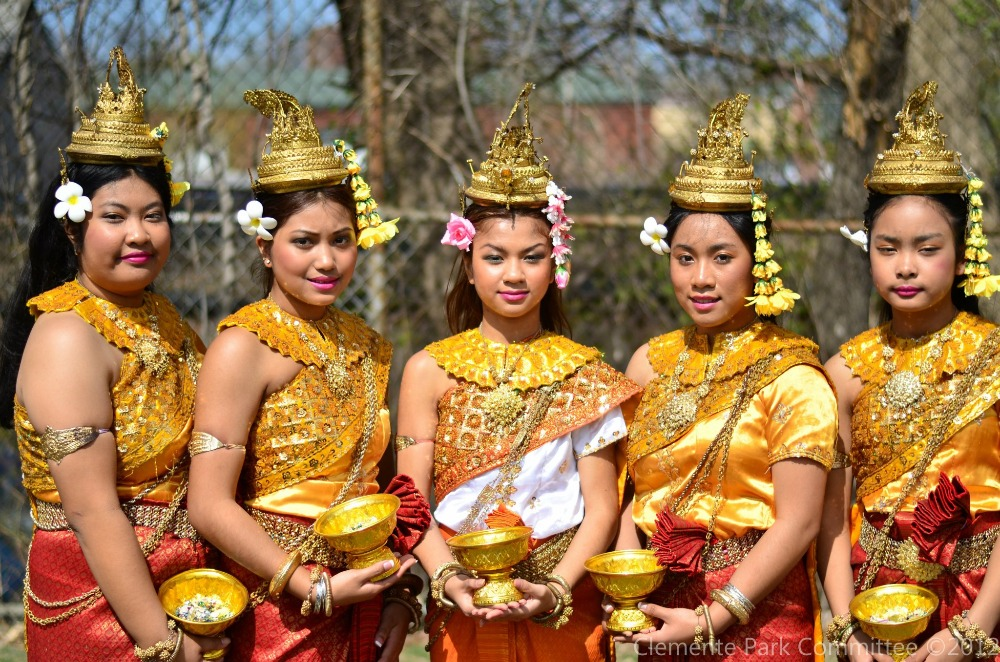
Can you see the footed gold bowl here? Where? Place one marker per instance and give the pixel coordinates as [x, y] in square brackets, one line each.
[492, 554]
[360, 527]
[626, 576]
[894, 613]
[210, 587]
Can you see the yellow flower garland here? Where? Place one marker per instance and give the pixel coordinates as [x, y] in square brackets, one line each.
[978, 281]
[771, 297]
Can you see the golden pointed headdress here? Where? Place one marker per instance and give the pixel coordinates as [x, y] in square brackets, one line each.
[918, 161]
[718, 177]
[512, 172]
[299, 160]
[117, 132]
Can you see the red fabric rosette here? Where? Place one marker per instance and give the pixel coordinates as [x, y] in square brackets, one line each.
[939, 519]
[679, 543]
[413, 516]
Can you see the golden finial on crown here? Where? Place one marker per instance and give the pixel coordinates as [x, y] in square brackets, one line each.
[718, 176]
[918, 161]
[512, 172]
[117, 131]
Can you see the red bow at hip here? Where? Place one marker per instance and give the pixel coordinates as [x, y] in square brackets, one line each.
[413, 516]
[939, 519]
[679, 543]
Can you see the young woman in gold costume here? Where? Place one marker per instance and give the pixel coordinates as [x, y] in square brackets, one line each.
[918, 399]
[510, 422]
[101, 394]
[291, 416]
[735, 431]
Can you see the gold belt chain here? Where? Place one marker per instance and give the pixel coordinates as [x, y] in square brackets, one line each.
[970, 553]
[51, 517]
[290, 535]
[544, 558]
[729, 552]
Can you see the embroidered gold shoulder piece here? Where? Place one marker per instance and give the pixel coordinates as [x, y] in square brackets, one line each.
[693, 383]
[154, 328]
[533, 364]
[864, 353]
[292, 336]
[59, 299]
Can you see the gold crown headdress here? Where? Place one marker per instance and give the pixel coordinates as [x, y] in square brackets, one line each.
[117, 132]
[919, 164]
[512, 172]
[299, 160]
[918, 161]
[719, 179]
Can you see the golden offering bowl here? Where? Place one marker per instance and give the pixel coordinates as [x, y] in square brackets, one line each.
[492, 554]
[210, 583]
[360, 527]
[626, 576]
[895, 614]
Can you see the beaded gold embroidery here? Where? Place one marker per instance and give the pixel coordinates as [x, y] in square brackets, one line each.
[887, 440]
[152, 413]
[304, 428]
[464, 446]
[652, 430]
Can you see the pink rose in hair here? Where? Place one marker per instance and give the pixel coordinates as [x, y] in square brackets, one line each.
[459, 233]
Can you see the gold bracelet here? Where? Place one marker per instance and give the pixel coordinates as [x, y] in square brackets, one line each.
[328, 606]
[567, 596]
[963, 643]
[444, 572]
[410, 601]
[307, 604]
[974, 635]
[285, 572]
[711, 630]
[731, 605]
[835, 628]
[699, 633]
[737, 595]
[164, 650]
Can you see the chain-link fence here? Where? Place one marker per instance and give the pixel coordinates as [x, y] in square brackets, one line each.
[419, 87]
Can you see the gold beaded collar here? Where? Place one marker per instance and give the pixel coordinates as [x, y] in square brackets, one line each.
[543, 361]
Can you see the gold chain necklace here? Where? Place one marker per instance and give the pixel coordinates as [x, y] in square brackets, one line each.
[682, 408]
[148, 348]
[334, 370]
[503, 403]
[905, 388]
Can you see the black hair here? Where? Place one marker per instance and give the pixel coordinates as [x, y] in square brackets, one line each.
[954, 207]
[282, 206]
[463, 306]
[52, 261]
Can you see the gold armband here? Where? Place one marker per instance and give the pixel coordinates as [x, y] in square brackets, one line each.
[203, 442]
[57, 444]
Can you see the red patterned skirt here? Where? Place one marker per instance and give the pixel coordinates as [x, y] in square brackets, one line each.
[59, 572]
[780, 628]
[956, 591]
[277, 630]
